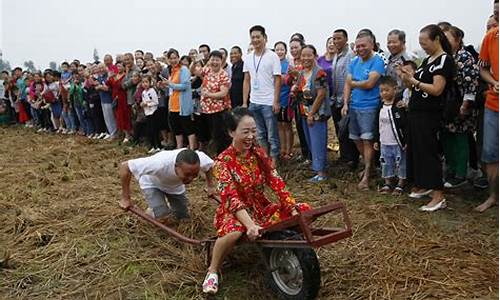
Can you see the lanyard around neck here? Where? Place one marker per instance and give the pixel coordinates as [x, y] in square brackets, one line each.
[258, 64]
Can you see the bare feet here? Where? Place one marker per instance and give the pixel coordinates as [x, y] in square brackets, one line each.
[485, 205]
[125, 204]
[363, 185]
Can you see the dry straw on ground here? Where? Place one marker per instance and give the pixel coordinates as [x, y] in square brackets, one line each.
[62, 235]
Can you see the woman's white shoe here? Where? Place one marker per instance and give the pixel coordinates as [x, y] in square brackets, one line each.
[416, 195]
[211, 283]
[440, 205]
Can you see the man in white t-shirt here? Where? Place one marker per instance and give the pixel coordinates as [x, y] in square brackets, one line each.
[262, 82]
[164, 175]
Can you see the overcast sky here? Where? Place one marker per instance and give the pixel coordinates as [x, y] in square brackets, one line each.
[58, 30]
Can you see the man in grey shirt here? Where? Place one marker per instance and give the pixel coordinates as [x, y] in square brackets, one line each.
[396, 44]
[340, 65]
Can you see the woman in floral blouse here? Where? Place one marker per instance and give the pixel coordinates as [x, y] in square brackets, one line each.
[455, 134]
[311, 91]
[214, 101]
[243, 170]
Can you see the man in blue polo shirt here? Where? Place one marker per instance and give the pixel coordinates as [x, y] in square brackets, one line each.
[362, 98]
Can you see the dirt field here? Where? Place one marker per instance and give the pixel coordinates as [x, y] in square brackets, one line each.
[62, 235]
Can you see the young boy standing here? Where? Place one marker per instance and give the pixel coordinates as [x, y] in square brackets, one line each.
[390, 137]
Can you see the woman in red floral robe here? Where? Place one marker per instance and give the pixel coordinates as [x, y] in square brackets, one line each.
[243, 171]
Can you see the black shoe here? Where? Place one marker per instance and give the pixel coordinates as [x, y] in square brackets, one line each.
[481, 183]
[455, 182]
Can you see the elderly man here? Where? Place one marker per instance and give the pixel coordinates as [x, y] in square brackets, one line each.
[365, 71]
[396, 43]
[108, 62]
[162, 177]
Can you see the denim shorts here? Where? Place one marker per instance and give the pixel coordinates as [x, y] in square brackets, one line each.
[392, 161]
[490, 137]
[362, 124]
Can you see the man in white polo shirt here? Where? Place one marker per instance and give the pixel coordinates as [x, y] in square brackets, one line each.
[163, 177]
[262, 82]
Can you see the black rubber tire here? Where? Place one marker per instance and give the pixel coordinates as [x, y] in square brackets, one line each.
[309, 265]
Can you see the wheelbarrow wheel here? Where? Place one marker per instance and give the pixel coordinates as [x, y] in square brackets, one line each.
[294, 273]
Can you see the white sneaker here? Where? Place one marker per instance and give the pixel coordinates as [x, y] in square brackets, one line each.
[102, 135]
[40, 130]
[152, 150]
[106, 137]
[125, 141]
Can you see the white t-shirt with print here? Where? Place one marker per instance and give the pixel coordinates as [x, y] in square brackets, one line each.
[158, 171]
[262, 70]
[150, 97]
[385, 127]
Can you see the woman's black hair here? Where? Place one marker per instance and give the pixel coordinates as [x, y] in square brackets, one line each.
[215, 53]
[328, 39]
[309, 46]
[281, 43]
[186, 57]
[301, 42]
[457, 33]
[224, 50]
[434, 32]
[299, 36]
[172, 51]
[233, 118]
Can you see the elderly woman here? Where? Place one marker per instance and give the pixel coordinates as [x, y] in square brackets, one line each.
[214, 101]
[242, 172]
[311, 91]
[456, 132]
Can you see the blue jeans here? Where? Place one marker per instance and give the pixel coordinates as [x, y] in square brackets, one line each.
[490, 137]
[85, 122]
[69, 120]
[35, 115]
[267, 128]
[362, 124]
[392, 158]
[316, 137]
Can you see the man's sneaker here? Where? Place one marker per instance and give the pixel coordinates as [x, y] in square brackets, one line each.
[455, 182]
[211, 283]
[481, 183]
[152, 150]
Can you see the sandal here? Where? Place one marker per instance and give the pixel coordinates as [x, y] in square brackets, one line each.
[211, 283]
[385, 189]
[398, 191]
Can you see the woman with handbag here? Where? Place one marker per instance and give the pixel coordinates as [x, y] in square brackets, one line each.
[311, 90]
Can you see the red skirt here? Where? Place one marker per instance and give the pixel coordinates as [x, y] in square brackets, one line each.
[23, 116]
[123, 114]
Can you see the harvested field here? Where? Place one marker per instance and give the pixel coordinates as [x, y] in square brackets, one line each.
[62, 235]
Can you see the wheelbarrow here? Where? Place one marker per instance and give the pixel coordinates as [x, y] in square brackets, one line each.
[293, 269]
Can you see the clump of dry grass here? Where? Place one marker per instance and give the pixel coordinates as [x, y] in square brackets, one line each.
[62, 235]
